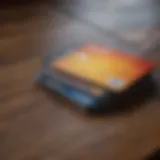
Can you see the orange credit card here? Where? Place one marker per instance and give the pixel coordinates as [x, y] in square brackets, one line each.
[103, 67]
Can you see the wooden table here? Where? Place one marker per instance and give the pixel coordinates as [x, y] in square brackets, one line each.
[36, 125]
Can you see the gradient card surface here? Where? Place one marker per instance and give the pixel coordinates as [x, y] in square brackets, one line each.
[102, 67]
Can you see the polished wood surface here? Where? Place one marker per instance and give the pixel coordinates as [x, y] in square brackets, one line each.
[36, 125]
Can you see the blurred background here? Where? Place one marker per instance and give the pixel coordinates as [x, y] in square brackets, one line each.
[34, 125]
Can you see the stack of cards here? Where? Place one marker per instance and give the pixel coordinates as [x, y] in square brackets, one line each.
[94, 77]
